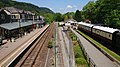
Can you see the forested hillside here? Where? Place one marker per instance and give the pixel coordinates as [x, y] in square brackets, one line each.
[106, 12]
[25, 6]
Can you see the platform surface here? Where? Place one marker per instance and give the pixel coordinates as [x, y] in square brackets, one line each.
[10, 48]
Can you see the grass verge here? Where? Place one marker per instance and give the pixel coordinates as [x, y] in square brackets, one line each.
[114, 55]
[79, 56]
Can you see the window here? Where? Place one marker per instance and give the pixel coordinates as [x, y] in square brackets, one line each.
[109, 35]
[2, 16]
[13, 16]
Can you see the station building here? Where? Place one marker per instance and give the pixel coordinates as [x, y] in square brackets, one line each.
[15, 23]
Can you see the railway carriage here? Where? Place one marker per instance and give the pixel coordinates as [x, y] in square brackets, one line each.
[109, 35]
[116, 39]
[61, 23]
[85, 26]
[104, 33]
[74, 25]
[67, 24]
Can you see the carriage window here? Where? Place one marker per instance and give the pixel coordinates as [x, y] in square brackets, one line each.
[109, 35]
[13, 16]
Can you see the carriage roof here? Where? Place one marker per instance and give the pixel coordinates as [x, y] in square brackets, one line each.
[85, 24]
[107, 29]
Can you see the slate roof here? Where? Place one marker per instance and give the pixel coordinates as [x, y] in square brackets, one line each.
[13, 10]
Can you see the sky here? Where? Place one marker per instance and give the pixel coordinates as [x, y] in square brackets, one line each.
[62, 6]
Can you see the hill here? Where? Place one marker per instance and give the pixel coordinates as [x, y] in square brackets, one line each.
[25, 6]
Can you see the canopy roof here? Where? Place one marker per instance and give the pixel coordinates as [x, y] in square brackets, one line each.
[15, 25]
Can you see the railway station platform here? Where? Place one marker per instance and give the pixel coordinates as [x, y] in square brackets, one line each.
[97, 57]
[10, 50]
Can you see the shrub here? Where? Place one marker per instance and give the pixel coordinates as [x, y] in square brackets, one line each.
[50, 44]
[80, 61]
[77, 55]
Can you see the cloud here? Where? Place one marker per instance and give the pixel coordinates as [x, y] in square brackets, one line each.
[69, 6]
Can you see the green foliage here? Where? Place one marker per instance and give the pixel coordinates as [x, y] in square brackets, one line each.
[73, 37]
[80, 61]
[58, 17]
[46, 12]
[112, 19]
[25, 6]
[105, 12]
[50, 44]
[78, 16]
[65, 18]
[70, 15]
[110, 16]
[79, 56]
[78, 52]
[89, 11]
[49, 18]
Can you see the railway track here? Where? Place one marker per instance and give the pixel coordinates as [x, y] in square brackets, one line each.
[60, 55]
[36, 55]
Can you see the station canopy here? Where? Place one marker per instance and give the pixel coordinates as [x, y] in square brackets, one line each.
[15, 25]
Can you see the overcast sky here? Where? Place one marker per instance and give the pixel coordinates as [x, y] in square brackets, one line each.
[61, 6]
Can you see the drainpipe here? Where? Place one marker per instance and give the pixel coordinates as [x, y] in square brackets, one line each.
[33, 21]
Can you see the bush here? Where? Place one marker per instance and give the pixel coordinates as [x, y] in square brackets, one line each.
[77, 55]
[80, 61]
[74, 38]
[50, 44]
[77, 51]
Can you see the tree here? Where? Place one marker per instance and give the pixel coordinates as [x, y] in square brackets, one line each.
[49, 18]
[105, 12]
[58, 17]
[50, 44]
[78, 16]
[89, 11]
[110, 16]
[25, 6]
[65, 18]
[70, 15]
